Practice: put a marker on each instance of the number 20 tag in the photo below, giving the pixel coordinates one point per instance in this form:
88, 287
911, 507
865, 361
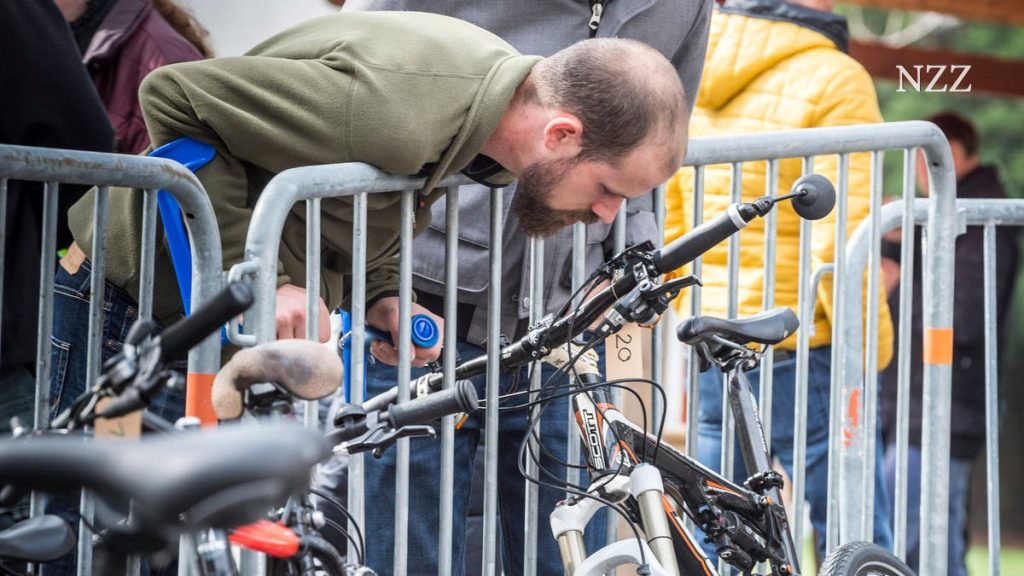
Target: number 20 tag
624, 353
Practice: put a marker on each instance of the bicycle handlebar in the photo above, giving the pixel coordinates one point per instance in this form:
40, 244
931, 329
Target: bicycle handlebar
207, 319
813, 197
460, 398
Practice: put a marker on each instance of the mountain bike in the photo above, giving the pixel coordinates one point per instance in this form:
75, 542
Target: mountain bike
650, 484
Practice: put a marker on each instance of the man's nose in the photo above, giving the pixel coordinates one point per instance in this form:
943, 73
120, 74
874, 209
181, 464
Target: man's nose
606, 209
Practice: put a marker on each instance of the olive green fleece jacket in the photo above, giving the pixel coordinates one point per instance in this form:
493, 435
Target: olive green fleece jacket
410, 93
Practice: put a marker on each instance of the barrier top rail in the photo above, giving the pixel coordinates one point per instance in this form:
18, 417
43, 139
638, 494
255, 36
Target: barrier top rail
268, 218
151, 174
814, 142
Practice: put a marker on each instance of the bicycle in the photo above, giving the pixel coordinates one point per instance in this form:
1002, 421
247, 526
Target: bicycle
648, 483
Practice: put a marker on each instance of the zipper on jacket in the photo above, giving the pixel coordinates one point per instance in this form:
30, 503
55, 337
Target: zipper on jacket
596, 11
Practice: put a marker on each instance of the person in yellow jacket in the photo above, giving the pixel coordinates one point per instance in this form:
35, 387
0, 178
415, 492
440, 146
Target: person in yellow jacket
775, 65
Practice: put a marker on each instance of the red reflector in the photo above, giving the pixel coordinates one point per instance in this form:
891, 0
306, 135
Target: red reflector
267, 537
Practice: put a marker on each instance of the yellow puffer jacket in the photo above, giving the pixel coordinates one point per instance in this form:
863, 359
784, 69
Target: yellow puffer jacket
760, 75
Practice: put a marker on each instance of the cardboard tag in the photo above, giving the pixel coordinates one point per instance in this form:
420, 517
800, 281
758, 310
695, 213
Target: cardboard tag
626, 354
127, 426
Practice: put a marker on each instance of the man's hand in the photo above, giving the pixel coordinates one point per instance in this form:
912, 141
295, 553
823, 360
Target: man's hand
383, 315
291, 314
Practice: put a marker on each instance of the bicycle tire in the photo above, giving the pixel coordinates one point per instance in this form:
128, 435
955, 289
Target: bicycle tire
863, 559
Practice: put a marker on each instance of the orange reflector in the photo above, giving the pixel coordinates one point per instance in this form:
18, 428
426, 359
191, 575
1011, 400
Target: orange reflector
938, 346
267, 537
199, 398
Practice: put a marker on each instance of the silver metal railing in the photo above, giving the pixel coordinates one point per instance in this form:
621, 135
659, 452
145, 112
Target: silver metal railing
934, 525
770, 148
55, 167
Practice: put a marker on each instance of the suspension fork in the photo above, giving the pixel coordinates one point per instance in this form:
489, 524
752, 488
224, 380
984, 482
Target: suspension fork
756, 458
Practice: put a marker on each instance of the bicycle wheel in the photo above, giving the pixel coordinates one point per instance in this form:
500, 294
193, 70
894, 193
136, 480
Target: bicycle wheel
863, 559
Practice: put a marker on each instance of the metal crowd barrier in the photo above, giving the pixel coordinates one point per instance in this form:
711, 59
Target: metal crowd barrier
846, 515
989, 213
311, 184
54, 167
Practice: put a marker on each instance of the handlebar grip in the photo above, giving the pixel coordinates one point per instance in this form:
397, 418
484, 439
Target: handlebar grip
424, 332
459, 398
184, 334
689, 246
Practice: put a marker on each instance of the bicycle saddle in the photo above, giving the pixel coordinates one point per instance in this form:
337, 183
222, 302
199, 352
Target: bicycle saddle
40, 539
306, 369
769, 327
210, 478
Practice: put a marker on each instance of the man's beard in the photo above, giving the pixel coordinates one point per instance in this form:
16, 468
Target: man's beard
534, 189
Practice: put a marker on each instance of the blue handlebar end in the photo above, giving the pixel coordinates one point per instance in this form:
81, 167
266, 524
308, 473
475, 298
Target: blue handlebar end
424, 332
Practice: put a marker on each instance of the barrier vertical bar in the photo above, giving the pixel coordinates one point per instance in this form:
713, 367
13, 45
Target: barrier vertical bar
311, 415
871, 350
991, 401
693, 364
937, 304
692, 361
149, 212
728, 432
619, 244
728, 426
768, 301
490, 555
579, 251
404, 367
47, 248
841, 388
806, 298
451, 305
356, 465
98, 258
96, 289
903, 358
533, 520
658, 404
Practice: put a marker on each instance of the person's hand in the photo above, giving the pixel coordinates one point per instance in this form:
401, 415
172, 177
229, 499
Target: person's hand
383, 315
291, 314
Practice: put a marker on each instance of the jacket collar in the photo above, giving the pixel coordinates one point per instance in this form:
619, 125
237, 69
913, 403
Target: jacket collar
832, 26
117, 27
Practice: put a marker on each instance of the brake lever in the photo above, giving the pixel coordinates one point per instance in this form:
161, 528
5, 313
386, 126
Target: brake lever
379, 438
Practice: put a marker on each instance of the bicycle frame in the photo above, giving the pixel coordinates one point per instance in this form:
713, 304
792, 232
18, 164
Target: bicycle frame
748, 524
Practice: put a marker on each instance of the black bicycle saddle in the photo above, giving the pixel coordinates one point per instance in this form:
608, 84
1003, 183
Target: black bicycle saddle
769, 327
41, 539
210, 478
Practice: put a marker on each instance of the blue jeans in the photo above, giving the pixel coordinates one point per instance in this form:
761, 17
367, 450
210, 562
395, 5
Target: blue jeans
68, 378
709, 442
424, 474
959, 492
17, 398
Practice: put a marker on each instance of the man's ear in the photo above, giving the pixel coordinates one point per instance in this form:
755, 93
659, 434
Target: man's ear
563, 135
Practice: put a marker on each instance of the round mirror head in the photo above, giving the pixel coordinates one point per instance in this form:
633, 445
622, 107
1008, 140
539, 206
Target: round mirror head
817, 199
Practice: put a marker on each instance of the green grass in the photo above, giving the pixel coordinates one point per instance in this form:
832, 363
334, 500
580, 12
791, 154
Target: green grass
1011, 561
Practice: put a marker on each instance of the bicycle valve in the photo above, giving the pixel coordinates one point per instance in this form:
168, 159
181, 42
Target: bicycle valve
646, 486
